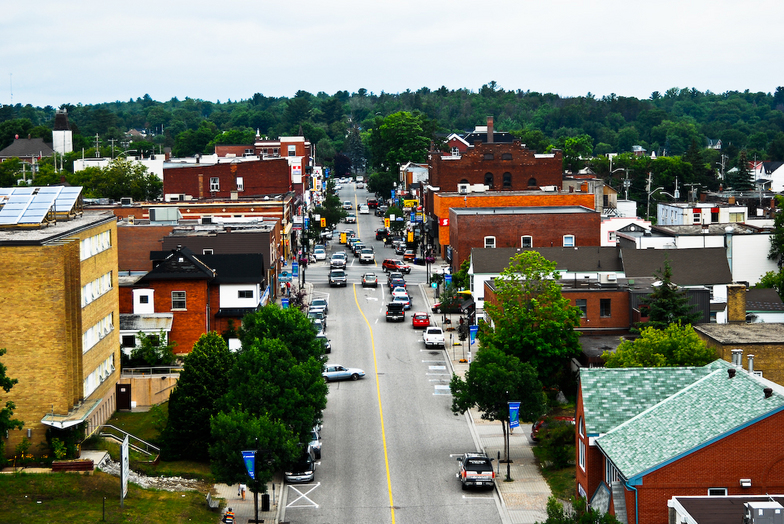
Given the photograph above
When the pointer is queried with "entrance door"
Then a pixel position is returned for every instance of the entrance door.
(123, 396)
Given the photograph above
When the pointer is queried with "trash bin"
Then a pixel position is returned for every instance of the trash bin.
(265, 502)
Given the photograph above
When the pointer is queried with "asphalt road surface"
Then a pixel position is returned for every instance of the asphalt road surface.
(390, 440)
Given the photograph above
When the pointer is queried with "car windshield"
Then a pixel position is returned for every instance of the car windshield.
(478, 464)
(420, 317)
(338, 274)
(370, 276)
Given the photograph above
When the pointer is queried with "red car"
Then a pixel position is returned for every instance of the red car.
(410, 254)
(420, 319)
(392, 264)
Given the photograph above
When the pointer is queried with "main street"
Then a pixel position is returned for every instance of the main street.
(390, 440)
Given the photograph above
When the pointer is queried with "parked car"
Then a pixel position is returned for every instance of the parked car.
(433, 337)
(475, 470)
(324, 340)
(319, 324)
(302, 469)
(320, 303)
(318, 314)
(392, 264)
(337, 277)
(369, 280)
(420, 319)
(402, 299)
(347, 205)
(337, 372)
(545, 422)
(409, 254)
(396, 312)
(315, 443)
(320, 254)
(400, 248)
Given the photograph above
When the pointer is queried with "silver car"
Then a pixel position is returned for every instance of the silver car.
(338, 372)
(315, 443)
(303, 470)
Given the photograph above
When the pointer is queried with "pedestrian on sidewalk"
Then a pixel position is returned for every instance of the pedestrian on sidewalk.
(242, 490)
(228, 517)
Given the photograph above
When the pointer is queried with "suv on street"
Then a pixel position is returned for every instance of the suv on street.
(476, 469)
(433, 337)
(392, 264)
(366, 256)
(337, 277)
(338, 261)
(372, 203)
(396, 312)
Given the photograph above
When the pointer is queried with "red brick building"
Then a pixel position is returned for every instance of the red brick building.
(499, 166)
(645, 435)
(523, 227)
(241, 179)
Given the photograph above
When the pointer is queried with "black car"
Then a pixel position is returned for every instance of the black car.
(381, 233)
(395, 312)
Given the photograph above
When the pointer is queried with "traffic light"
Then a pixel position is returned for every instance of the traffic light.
(410, 236)
(386, 222)
(323, 222)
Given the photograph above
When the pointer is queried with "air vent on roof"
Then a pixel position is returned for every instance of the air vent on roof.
(462, 188)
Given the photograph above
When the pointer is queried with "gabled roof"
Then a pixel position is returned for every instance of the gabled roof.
(763, 300)
(690, 267)
(694, 417)
(493, 261)
(236, 268)
(179, 264)
(27, 148)
(611, 396)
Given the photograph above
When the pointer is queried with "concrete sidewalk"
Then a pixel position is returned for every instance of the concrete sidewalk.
(244, 510)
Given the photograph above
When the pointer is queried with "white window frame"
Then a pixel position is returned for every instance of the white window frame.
(292, 150)
(241, 291)
(697, 217)
(568, 241)
(530, 241)
(489, 240)
(207, 251)
(612, 236)
(455, 151)
(183, 300)
(240, 184)
(98, 332)
(214, 183)
(583, 314)
(581, 447)
(611, 473)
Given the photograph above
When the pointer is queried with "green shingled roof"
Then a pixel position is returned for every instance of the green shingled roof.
(611, 396)
(698, 414)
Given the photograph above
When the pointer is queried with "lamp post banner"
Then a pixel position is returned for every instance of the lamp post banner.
(514, 415)
(473, 330)
(249, 458)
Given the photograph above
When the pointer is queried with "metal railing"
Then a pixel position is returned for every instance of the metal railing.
(156, 370)
(135, 443)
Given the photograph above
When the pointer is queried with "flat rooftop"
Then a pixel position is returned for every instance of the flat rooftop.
(60, 229)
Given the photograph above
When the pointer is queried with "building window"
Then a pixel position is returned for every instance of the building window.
(526, 241)
(582, 453)
(207, 251)
(245, 293)
(96, 333)
(532, 182)
(506, 156)
(128, 341)
(95, 244)
(489, 242)
(736, 217)
(292, 150)
(489, 156)
(97, 288)
(697, 218)
(248, 152)
(240, 184)
(582, 305)
(455, 151)
(144, 299)
(605, 307)
(489, 180)
(714, 217)
(612, 237)
(611, 473)
(508, 180)
(214, 183)
(568, 241)
(178, 300)
(717, 492)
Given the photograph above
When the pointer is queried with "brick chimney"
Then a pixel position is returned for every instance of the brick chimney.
(490, 130)
(736, 304)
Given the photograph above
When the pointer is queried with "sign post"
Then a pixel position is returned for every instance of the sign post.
(124, 471)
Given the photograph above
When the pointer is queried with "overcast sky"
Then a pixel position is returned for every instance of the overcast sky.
(87, 52)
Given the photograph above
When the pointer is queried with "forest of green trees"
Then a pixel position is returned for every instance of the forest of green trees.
(676, 125)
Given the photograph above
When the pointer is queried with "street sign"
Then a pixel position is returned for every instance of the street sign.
(307, 220)
(514, 414)
(393, 194)
(249, 458)
(284, 303)
(447, 279)
(294, 269)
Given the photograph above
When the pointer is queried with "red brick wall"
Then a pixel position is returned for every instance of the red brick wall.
(468, 231)
(263, 177)
(441, 204)
(594, 460)
(189, 325)
(472, 166)
(134, 243)
(619, 314)
(238, 150)
(126, 300)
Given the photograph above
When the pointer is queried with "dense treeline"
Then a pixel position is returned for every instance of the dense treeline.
(341, 125)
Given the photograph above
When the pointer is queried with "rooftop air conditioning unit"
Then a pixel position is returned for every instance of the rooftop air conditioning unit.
(462, 189)
(126, 201)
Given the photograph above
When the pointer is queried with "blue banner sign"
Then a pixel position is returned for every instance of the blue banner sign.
(393, 194)
(473, 331)
(294, 269)
(447, 279)
(249, 458)
(284, 303)
(514, 415)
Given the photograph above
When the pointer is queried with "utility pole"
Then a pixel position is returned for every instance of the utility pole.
(97, 146)
(112, 140)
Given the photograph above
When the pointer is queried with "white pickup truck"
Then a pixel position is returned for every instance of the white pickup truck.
(433, 337)
(476, 469)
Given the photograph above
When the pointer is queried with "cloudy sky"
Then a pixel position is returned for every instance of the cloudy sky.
(86, 52)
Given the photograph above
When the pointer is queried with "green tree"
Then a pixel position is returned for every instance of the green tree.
(777, 238)
(203, 381)
(556, 443)
(676, 345)
(6, 422)
(195, 141)
(151, 351)
(772, 280)
(493, 379)
(532, 320)
(382, 183)
(575, 149)
(397, 226)
(10, 172)
(402, 137)
(741, 180)
(461, 278)
(667, 304)
(125, 178)
(290, 326)
(580, 513)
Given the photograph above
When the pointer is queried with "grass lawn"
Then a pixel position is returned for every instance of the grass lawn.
(67, 498)
(562, 482)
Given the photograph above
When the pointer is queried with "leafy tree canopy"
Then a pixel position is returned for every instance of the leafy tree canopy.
(667, 304)
(532, 320)
(290, 326)
(6, 421)
(676, 345)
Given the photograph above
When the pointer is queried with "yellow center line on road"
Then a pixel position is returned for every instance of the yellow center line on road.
(380, 410)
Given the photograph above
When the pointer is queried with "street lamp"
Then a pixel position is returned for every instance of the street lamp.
(626, 181)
